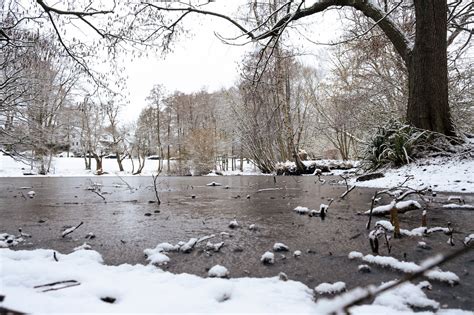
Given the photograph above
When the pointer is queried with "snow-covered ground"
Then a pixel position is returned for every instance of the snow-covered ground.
(441, 174)
(34, 282)
(69, 167)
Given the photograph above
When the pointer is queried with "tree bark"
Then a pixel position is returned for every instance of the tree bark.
(119, 161)
(428, 106)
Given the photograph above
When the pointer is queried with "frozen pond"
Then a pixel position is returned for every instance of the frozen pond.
(127, 224)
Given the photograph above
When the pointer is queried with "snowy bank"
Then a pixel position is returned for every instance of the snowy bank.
(80, 283)
(442, 174)
(74, 166)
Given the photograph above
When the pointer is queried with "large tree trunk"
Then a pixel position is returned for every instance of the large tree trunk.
(428, 106)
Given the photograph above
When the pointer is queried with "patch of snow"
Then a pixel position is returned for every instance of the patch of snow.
(214, 184)
(84, 246)
(354, 255)
(468, 239)
(323, 207)
(218, 271)
(205, 238)
(301, 210)
(158, 258)
(404, 297)
(402, 206)
(419, 231)
(188, 247)
(214, 246)
(458, 206)
(330, 288)
(411, 267)
(9, 240)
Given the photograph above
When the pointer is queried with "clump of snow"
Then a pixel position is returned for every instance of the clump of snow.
(404, 297)
(330, 288)
(458, 206)
(157, 255)
(252, 227)
(188, 247)
(445, 174)
(167, 247)
(459, 199)
(214, 184)
(354, 255)
(323, 207)
(419, 231)
(402, 206)
(301, 210)
(9, 240)
(268, 258)
(31, 193)
(84, 246)
(23, 234)
(411, 267)
(280, 247)
(205, 238)
(297, 253)
(218, 271)
(214, 246)
(468, 239)
(234, 224)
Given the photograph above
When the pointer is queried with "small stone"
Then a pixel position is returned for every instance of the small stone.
(156, 211)
(147, 214)
(297, 253)
(423, 245)
(238, 249)
(108, 299)
(193, 196)
(282, 276)
(364, 269)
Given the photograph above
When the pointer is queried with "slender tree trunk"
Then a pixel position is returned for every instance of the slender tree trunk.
(119, 161)
(428, 106)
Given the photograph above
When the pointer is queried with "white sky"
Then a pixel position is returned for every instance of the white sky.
(202, 60)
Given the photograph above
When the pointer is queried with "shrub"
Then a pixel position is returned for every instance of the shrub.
(396, 144)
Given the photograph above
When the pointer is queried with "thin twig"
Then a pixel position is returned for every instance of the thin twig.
(70, 230)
